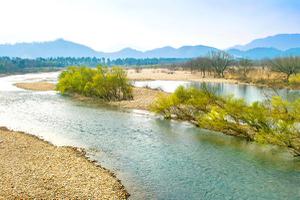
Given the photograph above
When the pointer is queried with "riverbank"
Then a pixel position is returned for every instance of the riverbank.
(172, 75)
(258, 77)
(142, 97)
(36, 86)
(33, 168)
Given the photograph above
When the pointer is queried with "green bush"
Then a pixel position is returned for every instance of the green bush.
(272, 122)
(295, 80)
(110, 84)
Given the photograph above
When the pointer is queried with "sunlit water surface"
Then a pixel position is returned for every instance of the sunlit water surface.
(154, 158)
(249, 92)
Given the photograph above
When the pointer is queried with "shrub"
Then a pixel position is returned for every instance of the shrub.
(273, 122)
(110, 84)
(295, 80)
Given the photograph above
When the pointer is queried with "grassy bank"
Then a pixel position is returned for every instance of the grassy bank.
(32, 168)
(273, 122)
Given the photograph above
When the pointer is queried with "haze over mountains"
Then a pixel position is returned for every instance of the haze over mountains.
(281, 42)
(269, 47)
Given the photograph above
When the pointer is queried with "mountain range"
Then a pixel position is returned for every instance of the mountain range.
(269, 47)
(281, 42)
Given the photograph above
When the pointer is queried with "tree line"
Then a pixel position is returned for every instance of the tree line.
(218, 62)
(9, 65)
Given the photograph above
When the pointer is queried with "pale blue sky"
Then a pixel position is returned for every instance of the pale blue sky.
(110, 25)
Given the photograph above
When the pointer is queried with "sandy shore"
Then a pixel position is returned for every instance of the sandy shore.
(257, 77)
(31, 168)
(37, 86)
(166, 74)
(142, 97)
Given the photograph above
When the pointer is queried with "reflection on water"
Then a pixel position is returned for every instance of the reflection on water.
(155, 158)
(249, 92)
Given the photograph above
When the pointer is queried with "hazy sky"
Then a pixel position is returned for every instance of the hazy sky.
(145, 24)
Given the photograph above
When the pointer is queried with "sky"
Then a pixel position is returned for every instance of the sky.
(110, 25)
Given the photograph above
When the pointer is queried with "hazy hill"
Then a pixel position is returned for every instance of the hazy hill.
(63, 48)
(256, 53)
(273, 46)
(164, 52)
(57, 48)
(261, 53)
(280, 41)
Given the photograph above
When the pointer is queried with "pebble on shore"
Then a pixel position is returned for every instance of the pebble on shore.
(31, 168)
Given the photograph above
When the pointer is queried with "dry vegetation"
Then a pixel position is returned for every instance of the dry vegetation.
(262, 77)
(31, 168)
(37, 86)
(172, 74)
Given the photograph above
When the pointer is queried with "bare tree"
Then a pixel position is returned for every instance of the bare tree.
(203, 64)
(219, 60)
(200, 64)
(245, 66)
(287, 65)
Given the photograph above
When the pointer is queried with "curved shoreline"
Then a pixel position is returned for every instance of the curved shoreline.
(34, 168)
(36, 86)
(142, 97)
(149, 74)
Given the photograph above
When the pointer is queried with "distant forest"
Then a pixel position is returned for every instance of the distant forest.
(11, 65)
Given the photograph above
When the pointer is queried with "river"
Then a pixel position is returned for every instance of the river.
(153, 157)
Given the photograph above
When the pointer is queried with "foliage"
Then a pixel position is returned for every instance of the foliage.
(295, 80)
(110, 84)
(10, 65)
(272, 122)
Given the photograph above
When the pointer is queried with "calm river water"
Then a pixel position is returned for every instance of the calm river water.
(154, 158)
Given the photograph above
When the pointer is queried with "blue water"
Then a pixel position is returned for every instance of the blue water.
(248, 92)
(154, 158)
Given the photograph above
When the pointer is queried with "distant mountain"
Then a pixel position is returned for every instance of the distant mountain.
(262, 53)
(256, 53)
(57, 48)
(164, 52)
(281, 41)
(194, 51)
(293, 52)
(270, 47)
(124, 53)
(159, 52)
(63, 48)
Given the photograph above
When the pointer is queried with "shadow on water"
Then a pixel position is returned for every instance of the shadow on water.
(267, 155)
